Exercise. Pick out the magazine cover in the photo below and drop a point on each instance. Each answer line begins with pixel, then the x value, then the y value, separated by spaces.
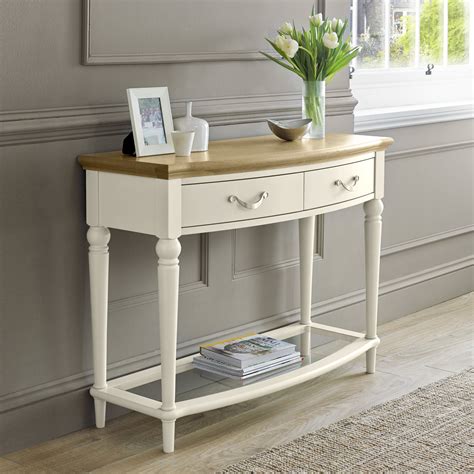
pixel 249 347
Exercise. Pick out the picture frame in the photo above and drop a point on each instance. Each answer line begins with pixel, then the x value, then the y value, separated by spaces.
pixel 152 121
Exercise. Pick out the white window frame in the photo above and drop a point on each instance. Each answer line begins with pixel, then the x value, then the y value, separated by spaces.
pixel 410 88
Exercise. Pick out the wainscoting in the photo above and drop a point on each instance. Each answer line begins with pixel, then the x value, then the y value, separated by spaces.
pixel 54 109
pixel 112 39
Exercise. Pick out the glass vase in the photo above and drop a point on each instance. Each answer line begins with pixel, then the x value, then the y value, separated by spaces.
pixel 314 107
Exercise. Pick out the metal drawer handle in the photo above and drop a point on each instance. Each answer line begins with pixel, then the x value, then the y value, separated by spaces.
pixel 348 187
pixel 250 205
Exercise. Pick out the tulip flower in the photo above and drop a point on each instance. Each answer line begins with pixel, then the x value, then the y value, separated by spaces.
pixel 286 28
pixel 287 45
pixel 330 40
pixel 316 20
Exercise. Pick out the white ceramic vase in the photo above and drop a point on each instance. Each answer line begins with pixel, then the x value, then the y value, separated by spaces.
pixel 200 127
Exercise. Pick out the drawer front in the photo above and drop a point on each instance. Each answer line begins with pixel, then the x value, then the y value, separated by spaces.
pixel 338 184
pixel 212 203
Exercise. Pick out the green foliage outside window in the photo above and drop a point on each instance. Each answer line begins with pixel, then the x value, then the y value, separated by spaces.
pixel 458 32
pixel 402 48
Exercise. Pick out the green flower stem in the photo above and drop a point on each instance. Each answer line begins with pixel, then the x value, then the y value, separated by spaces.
pixel 314 106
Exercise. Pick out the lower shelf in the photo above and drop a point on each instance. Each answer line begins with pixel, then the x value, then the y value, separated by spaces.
pixel 313 365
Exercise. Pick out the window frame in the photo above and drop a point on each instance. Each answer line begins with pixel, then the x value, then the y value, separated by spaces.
pixel 446 83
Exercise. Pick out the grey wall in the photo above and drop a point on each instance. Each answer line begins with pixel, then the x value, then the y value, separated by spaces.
pixel 54 108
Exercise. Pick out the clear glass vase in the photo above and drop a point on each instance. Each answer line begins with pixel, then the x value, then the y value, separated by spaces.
pixel 314 107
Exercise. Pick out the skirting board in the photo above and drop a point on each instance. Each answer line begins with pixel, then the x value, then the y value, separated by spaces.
pixel 73 410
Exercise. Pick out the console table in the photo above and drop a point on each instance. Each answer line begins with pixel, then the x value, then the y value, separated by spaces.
pixel 237 183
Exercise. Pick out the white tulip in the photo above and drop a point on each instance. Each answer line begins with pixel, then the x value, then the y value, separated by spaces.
pixel 334 23
pixel 331 40
pixel 286 28
pixel 316 20
pixel 287 45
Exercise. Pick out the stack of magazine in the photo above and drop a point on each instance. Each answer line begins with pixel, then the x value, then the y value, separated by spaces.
pixel 246 357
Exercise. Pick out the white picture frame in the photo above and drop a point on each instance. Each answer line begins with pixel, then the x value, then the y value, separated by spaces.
pixel 152 121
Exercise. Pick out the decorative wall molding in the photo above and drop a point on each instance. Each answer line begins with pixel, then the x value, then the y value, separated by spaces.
pixel 429 150
pixel 67 123
pixel 388 118
pixel 82 380
pixel 152 297
pixel 292 262
pixel 391 286
pixel 70 123
pixel 102 42
pixel 411 244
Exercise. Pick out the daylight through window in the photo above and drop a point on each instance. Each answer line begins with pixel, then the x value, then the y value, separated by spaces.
pixel 411 33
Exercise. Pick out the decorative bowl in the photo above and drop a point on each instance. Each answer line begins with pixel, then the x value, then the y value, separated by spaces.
pixel 289 130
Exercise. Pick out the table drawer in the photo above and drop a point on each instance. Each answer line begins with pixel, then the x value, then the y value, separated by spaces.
pixel 338 184
pixel 212 203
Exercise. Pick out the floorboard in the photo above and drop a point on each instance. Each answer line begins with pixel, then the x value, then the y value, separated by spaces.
pixel 7 466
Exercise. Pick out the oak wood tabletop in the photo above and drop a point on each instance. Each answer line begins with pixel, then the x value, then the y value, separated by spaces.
pixel 237 156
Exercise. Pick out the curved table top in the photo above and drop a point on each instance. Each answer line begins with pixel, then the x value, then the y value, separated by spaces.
pixel 237 156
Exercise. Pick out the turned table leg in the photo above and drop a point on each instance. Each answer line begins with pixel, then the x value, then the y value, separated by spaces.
pixel 373 235
pixel 306 234
pixel 98 238
pixel 168 251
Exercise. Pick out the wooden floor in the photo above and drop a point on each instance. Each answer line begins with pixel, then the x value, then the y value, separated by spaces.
pixel 415 350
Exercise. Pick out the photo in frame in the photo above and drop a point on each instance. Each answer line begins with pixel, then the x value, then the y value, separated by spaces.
pixel 152 121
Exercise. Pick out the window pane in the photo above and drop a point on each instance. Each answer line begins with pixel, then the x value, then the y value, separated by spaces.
pixel 431 31
pixel 371 33
pixel 402 34
pixel 458 31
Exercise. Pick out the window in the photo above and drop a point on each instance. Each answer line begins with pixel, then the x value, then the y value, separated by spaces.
pixel 400 40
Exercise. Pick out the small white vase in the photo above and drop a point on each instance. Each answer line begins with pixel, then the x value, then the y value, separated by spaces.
pixel 200 126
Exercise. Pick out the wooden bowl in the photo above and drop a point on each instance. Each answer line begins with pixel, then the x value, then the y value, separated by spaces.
pixel 289 130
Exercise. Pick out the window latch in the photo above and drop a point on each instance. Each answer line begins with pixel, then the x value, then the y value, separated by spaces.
pixel 351 72
pixel 430 67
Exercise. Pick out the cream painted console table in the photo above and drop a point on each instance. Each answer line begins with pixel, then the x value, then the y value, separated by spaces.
pixel 237 183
